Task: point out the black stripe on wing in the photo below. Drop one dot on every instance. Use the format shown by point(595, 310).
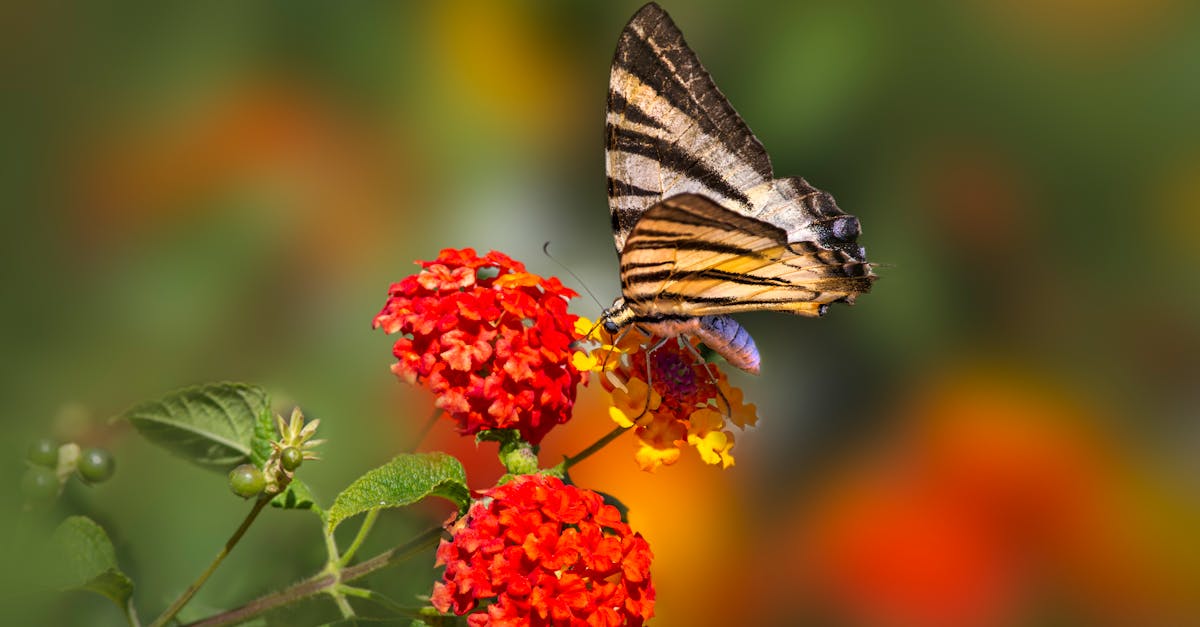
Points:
point(677, 75)
point(764, 303)
point(630, 112)
point(629, 267)
point(678, 243)
point(673, 157)
point(696, 210)
point(632, 279)
point(618, 187)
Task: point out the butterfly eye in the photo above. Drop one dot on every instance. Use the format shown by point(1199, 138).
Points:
point(611, 327)
point(846, 228)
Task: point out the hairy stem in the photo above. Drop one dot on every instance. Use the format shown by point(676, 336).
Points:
point(229, 544)
point(343, 605)
point(323, 581)
point(596, 446)
point(381, 600)
point(334, 568)
point(331, 549)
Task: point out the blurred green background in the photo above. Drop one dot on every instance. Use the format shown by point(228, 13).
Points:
point(1005, 432)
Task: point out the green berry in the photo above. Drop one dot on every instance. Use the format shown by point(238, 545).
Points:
point(43, 452)
point(39, 484)
point(290, 458)
point(247, 481)
point(95, 465)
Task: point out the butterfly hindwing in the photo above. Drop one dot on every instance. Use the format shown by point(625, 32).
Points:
point(689, 256)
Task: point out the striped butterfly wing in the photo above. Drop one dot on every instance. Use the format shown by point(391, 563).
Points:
point(688, 256)
point(670, 131)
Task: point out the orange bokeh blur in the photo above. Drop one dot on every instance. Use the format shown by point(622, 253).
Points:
point(1000, 497)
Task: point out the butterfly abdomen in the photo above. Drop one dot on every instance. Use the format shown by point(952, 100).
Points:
point(730, 340)
point(720, 333)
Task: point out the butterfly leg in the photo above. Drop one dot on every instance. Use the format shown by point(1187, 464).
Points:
point(712, 379)
point(650, 373)
point(616, 342)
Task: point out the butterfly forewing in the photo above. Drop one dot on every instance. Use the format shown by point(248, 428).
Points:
point(688, 256)
point(670, 130)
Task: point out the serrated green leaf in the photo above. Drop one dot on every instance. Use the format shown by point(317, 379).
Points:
point(211, 425)
point(264, 434)
point(402, 481)
point(297, 496)
point(86, 560)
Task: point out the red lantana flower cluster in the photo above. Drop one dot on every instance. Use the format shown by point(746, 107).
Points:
point(540, 552)
point(489, 339)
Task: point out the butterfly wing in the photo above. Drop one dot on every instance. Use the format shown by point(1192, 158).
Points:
point(689, 256)
point(670, 131)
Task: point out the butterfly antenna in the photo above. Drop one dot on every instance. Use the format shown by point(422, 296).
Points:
point(546, 250)
point(588, 336)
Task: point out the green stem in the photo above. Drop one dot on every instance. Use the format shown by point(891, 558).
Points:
point(229, 544)
point(131, 615)
point(363, 531)
point(379, 599)
point(596, 446)
point(343, 605)
point(332, 550)
point(323, 581)
point(334, 568)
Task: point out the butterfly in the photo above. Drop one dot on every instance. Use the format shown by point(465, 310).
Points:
point(702, 227)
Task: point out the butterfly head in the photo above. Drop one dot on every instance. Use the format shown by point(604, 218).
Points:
point(616, 316)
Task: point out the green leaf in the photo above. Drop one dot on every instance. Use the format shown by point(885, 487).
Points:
point(86, 560)
point(264, 434)
point(615, 502)
point(402, 481)
point(297, 496)
point(211, 425)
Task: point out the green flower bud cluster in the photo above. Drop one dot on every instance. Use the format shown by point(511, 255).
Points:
point(51, 464)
